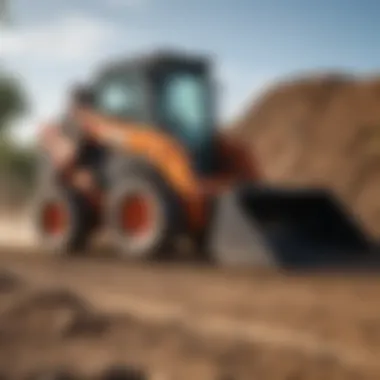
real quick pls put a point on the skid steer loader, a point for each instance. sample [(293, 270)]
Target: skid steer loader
[(145, 130)]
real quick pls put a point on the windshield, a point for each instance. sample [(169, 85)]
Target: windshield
[(184, 106), (120, 96)]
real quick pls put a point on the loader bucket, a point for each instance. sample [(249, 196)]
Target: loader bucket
[(285, 228)]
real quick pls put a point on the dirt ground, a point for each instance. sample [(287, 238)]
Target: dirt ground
[(185, 321)]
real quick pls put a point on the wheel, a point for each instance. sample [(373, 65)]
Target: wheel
[(63, 219), (201, 240), (143, 214)]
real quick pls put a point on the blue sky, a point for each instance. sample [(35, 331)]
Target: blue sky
[(55, 42)]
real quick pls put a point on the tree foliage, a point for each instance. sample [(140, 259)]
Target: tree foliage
[(12, 101), (17, 163)]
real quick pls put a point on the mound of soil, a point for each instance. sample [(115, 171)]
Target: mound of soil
[(321, 131)]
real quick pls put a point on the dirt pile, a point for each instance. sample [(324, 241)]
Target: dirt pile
[(321, 131)]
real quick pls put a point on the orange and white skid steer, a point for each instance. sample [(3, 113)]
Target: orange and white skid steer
[(140, 155)]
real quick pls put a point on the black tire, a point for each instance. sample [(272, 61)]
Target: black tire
[(139, 179), (201, 241), (74, 236)]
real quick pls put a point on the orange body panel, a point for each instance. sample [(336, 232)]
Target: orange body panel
[(158, 148), (172, 161), (163, 152)]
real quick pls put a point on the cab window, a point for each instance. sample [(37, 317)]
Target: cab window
[(183, 106), (120, 97)]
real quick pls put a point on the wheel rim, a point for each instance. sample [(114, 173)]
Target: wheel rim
[(137, 216), (54, 219)]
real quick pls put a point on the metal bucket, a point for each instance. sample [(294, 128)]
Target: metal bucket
[(285, 227)]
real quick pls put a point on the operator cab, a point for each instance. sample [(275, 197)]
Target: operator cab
[(168, 91)]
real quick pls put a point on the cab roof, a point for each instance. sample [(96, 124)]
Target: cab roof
[(150, 61)]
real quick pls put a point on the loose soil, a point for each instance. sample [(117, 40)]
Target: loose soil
[(185, 321)]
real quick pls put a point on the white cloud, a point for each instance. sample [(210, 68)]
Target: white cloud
[(71, 38), (50, 56)]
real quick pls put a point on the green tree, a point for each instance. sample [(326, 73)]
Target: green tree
[(12, 102), (17, 163), (4, 13)]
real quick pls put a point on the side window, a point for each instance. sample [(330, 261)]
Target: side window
[(120, 97), (184, 107), (184, 100)]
